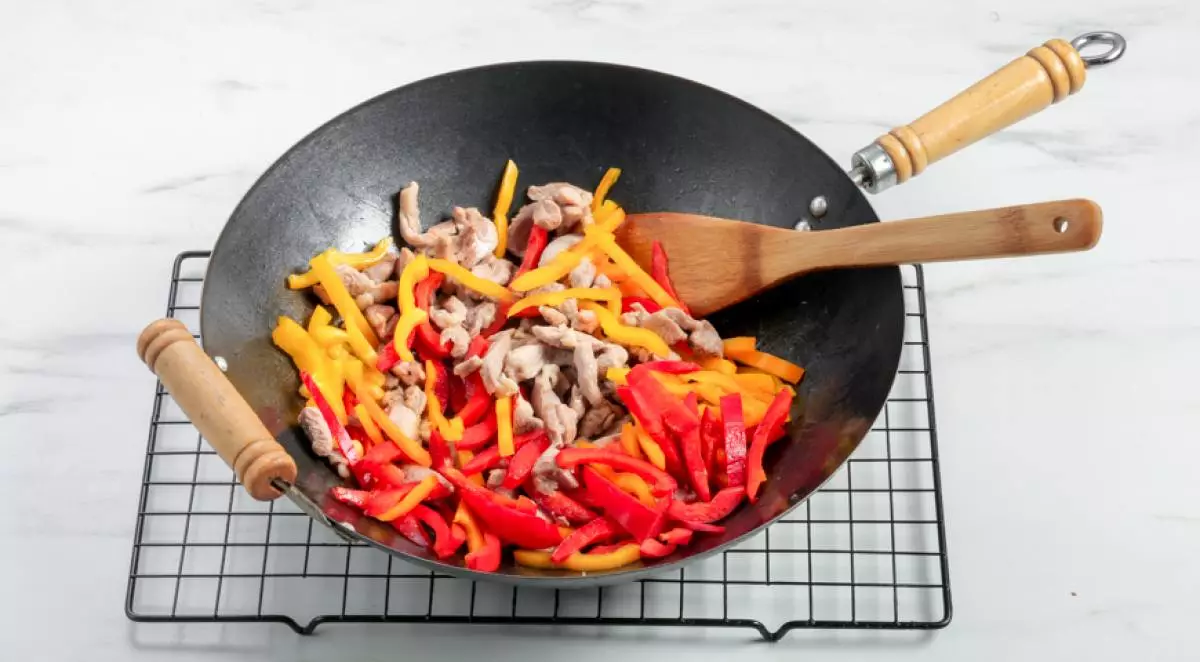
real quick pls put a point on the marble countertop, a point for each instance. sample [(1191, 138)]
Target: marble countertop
[(1065, 386)]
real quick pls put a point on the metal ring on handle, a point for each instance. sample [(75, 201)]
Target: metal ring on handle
[(1116, 47)]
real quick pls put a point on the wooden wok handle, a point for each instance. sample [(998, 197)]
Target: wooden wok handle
[(1048, 227), (216, 408), (1045, 75)]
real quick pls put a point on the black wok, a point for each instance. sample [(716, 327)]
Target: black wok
[(683, 147)]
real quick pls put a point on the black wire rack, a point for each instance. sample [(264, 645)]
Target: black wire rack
[(866, 551)]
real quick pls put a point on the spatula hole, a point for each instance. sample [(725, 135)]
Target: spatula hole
[(1061, 224)]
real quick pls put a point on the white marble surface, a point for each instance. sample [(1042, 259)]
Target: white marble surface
[(1066, 389)]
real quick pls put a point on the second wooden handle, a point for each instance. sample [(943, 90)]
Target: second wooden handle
[(1045, 75), (215, 407)]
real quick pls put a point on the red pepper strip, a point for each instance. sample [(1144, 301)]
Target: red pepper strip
[(653, 425), (635, 517), (710, 438), (410, 527), (669, 367), (360, 435), (735, 439), (478, 347), (488, 459), (479, 435), (348, 400), (428, 339), (558, 504), (777, 411), (498, 323), (444, 542), (479, 402), (606, 549), (661, 483), (721, 505), (441, 384), (344, 442), (458, 393), (653, 549), (384, 476), (650, 305), (381, 501), (439, 449), (660, 272), (356, 498), (520, 465), (519, 528), (700, 527), (676, 536), (486, 558), (383, 454), (427, 343), (676, 416), (538, 238), (387, 358), (599, 529), (693, 457)]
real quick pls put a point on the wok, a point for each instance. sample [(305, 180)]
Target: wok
[(683, 147)]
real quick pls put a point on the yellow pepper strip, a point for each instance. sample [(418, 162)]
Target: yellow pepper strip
[(608, 244), (355, 375), (612, 220), (781, 368), (504, 197), (609, 294), (614, 305), (374, 377), (415, 451), (618, 376), (627, 335), (463, 458), (463, 517), (307, 355), (635, 485), (723, 366), (470, 280), (405, 326), (414, 272), (357, 446), (330, 336), (652, 450), (579, 561), (362, 337), (629, 441), (356, 260), (606, 183), (372, 430), (504, 427), (740, 344), (320, 318), (415, 496), (554, 271), (673, 384), (763, 383), (434, 408)]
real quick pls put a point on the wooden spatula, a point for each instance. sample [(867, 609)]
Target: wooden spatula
[(717, 262)]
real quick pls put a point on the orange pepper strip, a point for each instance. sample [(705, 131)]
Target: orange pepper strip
[(783, 369), (618, 376), (504, 198), (673, 384), (715, 364), (411, 500), (653, 451), (372, 430), (579, 561), (504, 428), (471, 281), (608, 244), (609, 294), (606, 183), (629, 441), (757, 381), (740, 344), (474, 535), (356, 260)]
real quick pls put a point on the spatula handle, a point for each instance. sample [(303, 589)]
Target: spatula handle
[(215, 407), (1050, 227), (1045, 75)]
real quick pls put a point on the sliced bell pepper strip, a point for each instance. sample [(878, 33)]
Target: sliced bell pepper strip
[(372, 430), (649, 420), (558, 504), (723, 503), (504, 426), (716, 364), (660, 272), (439, 448), (408, 323), (486, 559), (699, 527), (629, 442), (606, 183), (693, 459), (320, 319), (444, 542), (479, 435), (458, 393), (776, 413), (598, 530), (412, 449), (607, 220), (756, 381), (646, 303), (781, 368), (340, 436), (607, 243), (383, 454), (635, 485), (735, 440), (477, 347), (676, 416), (414, 273), (662, 483), (437, 389), (462, 517), (504, 198), (653, 452), (551, 272), (677, 536), (711, 437), (653, 549), (381, 500), (486, 459), (539, 238), (479, 401), (556, 298), (388, 357), (290, 337), (515, 526), (626, 335), (471, 281), (362, 337), (350, 497), (618, 376), (356, 260), (415, 496), (522, 461), (739, 344), (639, 520), (668, 367), (593, 562), (410, 527)]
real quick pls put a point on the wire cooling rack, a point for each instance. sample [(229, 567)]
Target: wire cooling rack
[(866, 551)]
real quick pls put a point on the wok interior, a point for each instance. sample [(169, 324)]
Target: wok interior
[(682, 147)]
